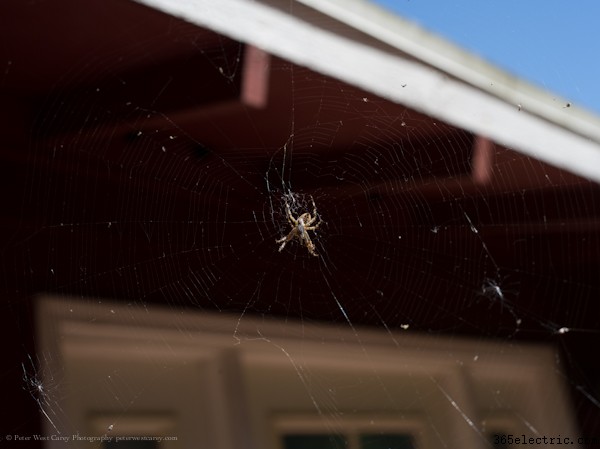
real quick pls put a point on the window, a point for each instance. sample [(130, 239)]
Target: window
[(348, 441), (222, 390)]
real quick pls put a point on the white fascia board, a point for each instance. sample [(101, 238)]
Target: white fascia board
[(393, 77), (424, 46)]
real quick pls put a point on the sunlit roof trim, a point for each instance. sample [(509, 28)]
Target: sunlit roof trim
[(425, 46), (444, 85)]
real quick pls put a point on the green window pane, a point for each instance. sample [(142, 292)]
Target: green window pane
[(314, 441), (386, 441)]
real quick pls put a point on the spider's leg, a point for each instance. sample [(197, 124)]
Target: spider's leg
[(312, 228), (310, 245), (291, 219), (310, 222), (284, 240), (287, 238)]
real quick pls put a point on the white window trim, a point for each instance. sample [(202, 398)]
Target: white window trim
[(233, 345)]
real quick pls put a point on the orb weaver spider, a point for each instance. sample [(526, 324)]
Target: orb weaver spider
[(300, 228)]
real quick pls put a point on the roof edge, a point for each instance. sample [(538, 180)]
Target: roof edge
[(309, 41), (411, 38)]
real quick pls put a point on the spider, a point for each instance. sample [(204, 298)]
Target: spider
[(300, 228)]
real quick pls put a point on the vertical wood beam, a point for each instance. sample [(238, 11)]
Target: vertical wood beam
[(255, 77), (482, 162)]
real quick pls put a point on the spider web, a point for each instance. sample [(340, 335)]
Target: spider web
[(137, 202)]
